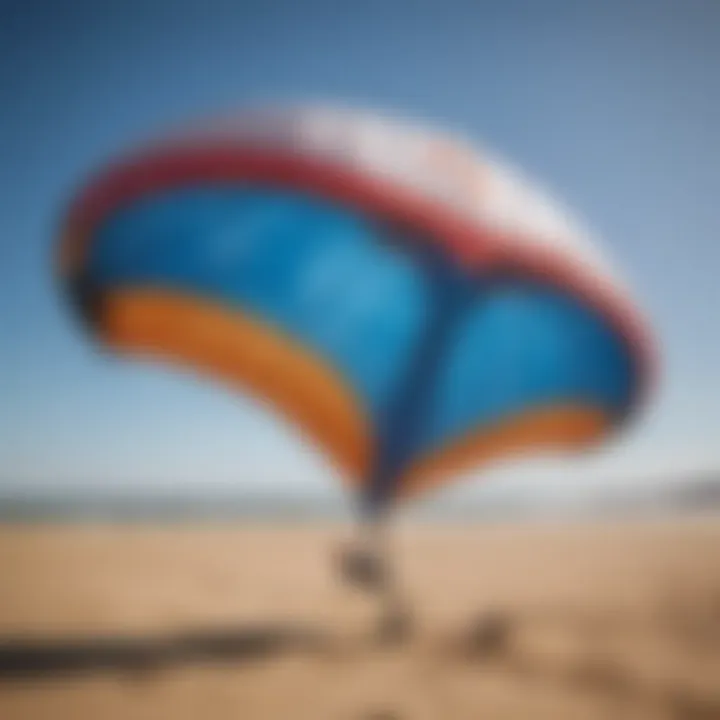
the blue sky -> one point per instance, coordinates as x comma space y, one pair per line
615, 104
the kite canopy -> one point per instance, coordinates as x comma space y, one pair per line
416, 306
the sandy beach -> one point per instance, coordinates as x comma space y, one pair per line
604, 620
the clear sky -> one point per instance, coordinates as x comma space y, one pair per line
614, 103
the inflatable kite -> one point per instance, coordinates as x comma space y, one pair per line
414, 305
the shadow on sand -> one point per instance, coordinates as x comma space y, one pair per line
35, 659
489, 641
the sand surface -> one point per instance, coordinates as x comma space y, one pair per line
578, 621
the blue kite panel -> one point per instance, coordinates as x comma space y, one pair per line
317, 271
523, 347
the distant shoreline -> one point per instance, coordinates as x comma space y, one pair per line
300, 509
